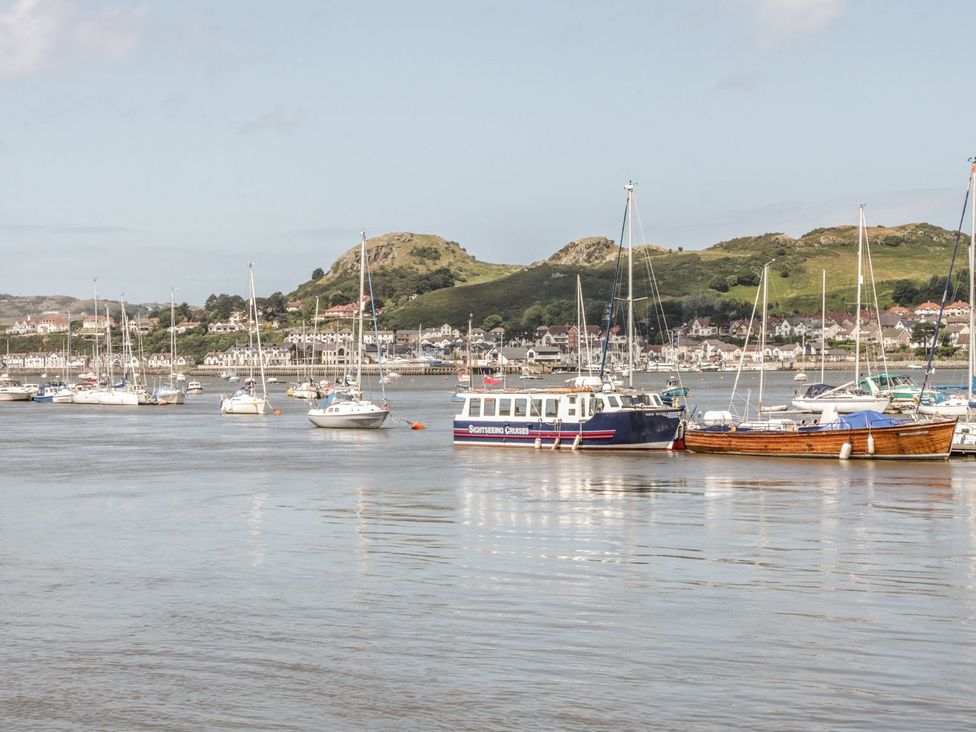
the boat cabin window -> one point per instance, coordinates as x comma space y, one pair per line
474, 407
504, 407
614, 401
521, 407
536, 408
489, 410
571, 406
552, 408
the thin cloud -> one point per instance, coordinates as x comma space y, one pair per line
316, 232
283, 120
84, 230
782, 21
39, 34
744, 83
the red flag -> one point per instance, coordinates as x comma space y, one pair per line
488, 381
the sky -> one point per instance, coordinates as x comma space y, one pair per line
167, 143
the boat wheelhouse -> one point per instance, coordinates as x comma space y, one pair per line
566, 417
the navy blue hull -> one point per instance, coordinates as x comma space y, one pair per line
636, 429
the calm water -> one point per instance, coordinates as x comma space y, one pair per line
174, 569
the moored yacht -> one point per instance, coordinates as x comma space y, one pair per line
12, 390
247, 399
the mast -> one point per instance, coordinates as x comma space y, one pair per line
257, 330
470, 367
172, 334
67, 358
315, 338
972, 286
860, 281
108, 348
98, 363
579, 327
762, 336
823, 322
630, 283
362, 294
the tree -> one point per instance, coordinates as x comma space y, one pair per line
317, 274
905, 293
719, 284
492, 321
922, 332
533, 316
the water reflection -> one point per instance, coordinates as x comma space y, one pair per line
310, 578
255, 517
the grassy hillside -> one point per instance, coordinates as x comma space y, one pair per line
16, 307
402, 264
722, 276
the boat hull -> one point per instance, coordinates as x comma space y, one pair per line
87, 396
248, 405
15, 396
946, 409
910, 441
842, 406
636, 429
964, 439
170, 396
361, 420
118, 399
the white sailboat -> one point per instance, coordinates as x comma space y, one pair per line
171, 393
86, 395
247, 400
852, 396
348, 409
128, 392
589, 381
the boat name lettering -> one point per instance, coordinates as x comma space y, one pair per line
494, 430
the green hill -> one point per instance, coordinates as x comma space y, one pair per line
721, 278
402, 265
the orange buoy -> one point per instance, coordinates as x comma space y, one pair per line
417, 426
277, 413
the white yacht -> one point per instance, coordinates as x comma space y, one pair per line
12, 390
247, 399
346, 409
172, 392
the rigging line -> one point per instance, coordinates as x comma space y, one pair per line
667, 337
745, 346
376, 332
945, 294
613, 294
662, 320
877, 309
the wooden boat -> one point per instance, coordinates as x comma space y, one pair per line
861, 435
870, 436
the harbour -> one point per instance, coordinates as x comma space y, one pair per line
270, 575
558, 367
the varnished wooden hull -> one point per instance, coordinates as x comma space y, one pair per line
910, 441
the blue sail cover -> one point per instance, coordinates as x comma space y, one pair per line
860, 421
